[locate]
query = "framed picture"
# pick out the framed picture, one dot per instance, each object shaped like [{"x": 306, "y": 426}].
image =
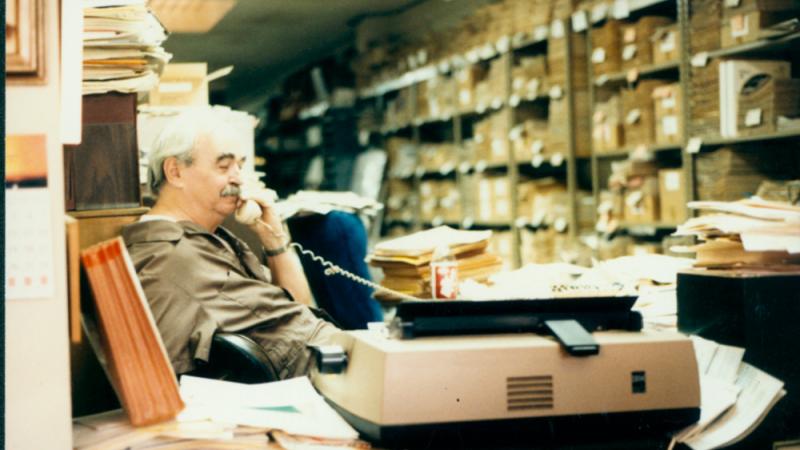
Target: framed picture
[{"x": 24, "y": 41}]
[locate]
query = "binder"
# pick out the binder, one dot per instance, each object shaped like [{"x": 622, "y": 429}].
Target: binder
[{"x": 136, "y": 360}]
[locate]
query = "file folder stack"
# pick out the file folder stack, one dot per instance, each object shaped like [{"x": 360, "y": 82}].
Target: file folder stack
[
  {"x": 122, "y": 49},
  {"x": 136, "y": 361},
  {"x": 406, "y": 261},
  {"x": 751, "y": 233}
]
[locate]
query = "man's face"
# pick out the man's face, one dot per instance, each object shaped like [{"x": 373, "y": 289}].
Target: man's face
[{"x": 213, "y": 179}]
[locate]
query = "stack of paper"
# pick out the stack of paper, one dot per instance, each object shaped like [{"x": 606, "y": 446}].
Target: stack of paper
[
  {"x": 136, "y": 361},
  {"x": 121, "y": 47},
  {"x": 749, "y": 233},
  {"x": 406, "y": 261},
  {"x": 320, "y": 202},
  {"x": 735, "y": 397},
  {"x": 226, "y": 415}
]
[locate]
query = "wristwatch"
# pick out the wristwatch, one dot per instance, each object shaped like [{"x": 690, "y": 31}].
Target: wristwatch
[{"x": 274, "y": 251}]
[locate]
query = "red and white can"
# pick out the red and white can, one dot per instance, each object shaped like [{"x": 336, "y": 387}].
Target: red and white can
[{"x": 444, "y": 279}]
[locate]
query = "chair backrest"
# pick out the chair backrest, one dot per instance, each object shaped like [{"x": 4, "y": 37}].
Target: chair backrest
[{"x": 338, "y": 237}]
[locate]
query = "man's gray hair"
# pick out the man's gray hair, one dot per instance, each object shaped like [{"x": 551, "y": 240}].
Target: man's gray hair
[{"x": 178, "y": 138}]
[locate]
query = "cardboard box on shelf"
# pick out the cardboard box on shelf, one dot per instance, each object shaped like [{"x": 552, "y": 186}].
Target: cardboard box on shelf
[
  {"x": 639, "y": 113},
  {"x": 733, "y": 173},
  {"x": 181, "y": 84},
  {"x": 607, "y": 130},
  {"x": 491, "y": 139},
  {"x": 672, "y": 196},
  {"x": 641, "y": 205},
  {"x": 528, "y": 77},
  {"x": 749, "y": 20},
  {"x": 467, "y": 80},
  {"x": 537, "y": 247},
  {"x": 705, "y": 23},
  {"x": 763, "y": 100},
  {"x": 740, "y": 75},
  {"x": 430, "y": 200},
  {"x": 668, "y": 114},
  {"x": 606, "y": 57},
  {"x": 637, "y": 44},
  {"x": 449, "y": 208},
  {"x": 703, "y": 100},
  {"x": 526, "y": 190},
  {"x": 501, "y": 199},
  {"x": 502, "y": 244},
  {"x": 666, "y": 44}
]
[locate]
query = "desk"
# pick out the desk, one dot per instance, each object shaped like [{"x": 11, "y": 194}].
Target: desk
[{"x": 759, "y": 311}]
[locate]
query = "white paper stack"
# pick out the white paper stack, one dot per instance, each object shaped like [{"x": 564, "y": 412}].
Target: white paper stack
[
  {"x": 749, "y": 233},
  {"x": 735, "y": 397},
  {"x": 226, "y": 415},
  {"x": 122, "y": 47}
]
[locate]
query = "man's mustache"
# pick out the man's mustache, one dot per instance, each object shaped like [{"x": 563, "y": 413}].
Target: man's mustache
[{"x": 231, "y": 190}]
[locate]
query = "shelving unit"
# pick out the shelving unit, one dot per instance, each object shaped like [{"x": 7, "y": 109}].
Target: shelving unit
[
  {"x": 621, "y": 89},
  {"x": 582, "y": 166},
  {"x": 507, "y": 104},
  {"x": 701, "y": 55}
]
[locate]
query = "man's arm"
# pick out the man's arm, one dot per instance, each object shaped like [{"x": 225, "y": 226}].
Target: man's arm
[{"x": 287, "y": 272}]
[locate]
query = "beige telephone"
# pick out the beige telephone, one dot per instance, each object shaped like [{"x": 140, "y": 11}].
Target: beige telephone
[
  {"x": 249, "y": 213},
  {"x": 253, "y": 189}
]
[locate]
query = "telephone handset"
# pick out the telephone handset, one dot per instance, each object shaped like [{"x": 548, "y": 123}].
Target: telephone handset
[{"x": 249, "y": 213}]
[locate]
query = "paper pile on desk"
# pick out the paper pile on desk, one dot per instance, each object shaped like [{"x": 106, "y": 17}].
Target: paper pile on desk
[
  {"x": 750, "y": 233},
  {"x": 405, "y": 261},
  {"x": 122, "y": 49},
  {"x": 223, "y": 414},
  {"x": 735, "y": 397},
  {"x": 652, "y": 277}
]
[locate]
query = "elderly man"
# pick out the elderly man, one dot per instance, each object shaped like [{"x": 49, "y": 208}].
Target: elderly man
[{"x": 198, "y": 277}]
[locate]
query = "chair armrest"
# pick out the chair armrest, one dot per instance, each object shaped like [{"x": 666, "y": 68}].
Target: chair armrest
[{"x": 236, "y": 357}]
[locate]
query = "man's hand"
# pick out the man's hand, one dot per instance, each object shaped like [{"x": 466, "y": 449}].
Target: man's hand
[{"x": 271, "y": 230}]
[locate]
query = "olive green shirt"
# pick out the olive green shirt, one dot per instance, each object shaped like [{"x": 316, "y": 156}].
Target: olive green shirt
[{"x": 196, "y": 284}]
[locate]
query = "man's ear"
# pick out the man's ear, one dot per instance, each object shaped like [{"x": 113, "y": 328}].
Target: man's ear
[{"x": 173, "y": 171}]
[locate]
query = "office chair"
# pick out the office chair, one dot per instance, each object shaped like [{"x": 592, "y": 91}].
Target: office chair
[
  {"x": 236, "y": 357},
  {"x": 341, "y": 238}
]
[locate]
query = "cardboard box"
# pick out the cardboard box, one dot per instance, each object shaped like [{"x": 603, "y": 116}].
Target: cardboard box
[
  {"x": 502, "y": 244},
  {"x": 667, "y": 102},
  {"x": 763, "y": 101},
  {"x": 666, "y": 44},
  {"x": 747, "y": 20},
  {"x": 704, "y": 25},
  {"x": 607, "y": 130},
  {"x": 501, "y": 199},
  {"x": 639, "y": 114},
  {"x": 606, "y": 57},
  {"x": 703, "y": 100},
  {"x": 671, "y": 194},
  {"x": 182, "y": 84},
  {"x": 449, "y": 201},
  {"x": 637, "y": 44},
  {"x": 641, "y": 205}
]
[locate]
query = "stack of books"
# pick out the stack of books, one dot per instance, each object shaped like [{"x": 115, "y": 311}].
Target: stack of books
[
  {"x": 132, "y": 351},
  {"x": 750, "y": 233},
  {"x": 122, "y": 49},
  {"x": 405, "y": 261}
]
